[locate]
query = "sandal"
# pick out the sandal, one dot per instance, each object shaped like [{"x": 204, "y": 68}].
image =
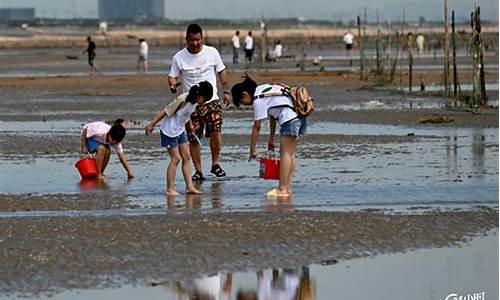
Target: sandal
[
  {"x": 197, "y": 176},
  {"x": 217, "y": 171}
]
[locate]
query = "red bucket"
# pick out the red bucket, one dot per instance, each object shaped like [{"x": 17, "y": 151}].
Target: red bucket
[
  {"x": 87, "y": 167},
  {"x": 269, "y": 168}
]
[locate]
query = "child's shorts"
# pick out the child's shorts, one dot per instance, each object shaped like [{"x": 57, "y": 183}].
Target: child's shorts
[
  {"x": 172, "y": 142},
  {"x": 93, "y": 144},
  {"x": 295, "y": 127}
]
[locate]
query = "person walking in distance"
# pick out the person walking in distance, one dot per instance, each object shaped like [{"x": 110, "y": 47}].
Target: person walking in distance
[
  {"x": 91, "y": 53},
  {"x": 348, "y": 40},
  {"x": 142, "y": 62},
  {"x": 195, "y": 63},
  {"x": 249, "y": 47},
  {"x": 236, "y": 47}
]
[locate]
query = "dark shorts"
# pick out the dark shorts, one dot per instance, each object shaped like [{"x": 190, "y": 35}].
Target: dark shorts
[
  {"x": 208, "y": 118},
  {"x": 172, "y": 142},
  {"x": 348, "y": 46},
  {"x": 248, "y": 53},
  {"x": 93, "y": 144},
  {"x": 91, "y": 60}
]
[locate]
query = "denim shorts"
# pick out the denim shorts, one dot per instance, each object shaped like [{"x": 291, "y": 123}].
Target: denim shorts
[
  {"x": 93, "y": 144},
  {"x": 296, "y": 127},
  {"x": 173, "y": 142}
]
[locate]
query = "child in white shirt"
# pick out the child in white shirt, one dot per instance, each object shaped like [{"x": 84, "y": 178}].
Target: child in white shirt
[
  {"x": 277, "y": 109},
  {"x": 97, "y": 137},
  {"x": 175, "y": 119}
]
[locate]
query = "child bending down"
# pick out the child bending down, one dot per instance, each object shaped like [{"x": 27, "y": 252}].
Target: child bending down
[
  {"x": 98, "y": 137},
  {"x": 175, "y": 119},
  {"x": 266, "y": 105}
]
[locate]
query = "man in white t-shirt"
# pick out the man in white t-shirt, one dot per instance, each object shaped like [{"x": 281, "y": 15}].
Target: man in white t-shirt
[
  {"x": 235, "y": 40},
  {"x": 249, "y": 47},
  {"x": 142, "y": 62},
  {"x": 195, "y": 63},
  {"x": 348, "y": 40}
]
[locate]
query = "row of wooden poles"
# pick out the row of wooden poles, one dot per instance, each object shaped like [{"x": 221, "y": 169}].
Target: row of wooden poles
[{"x": 476, "y": 50}]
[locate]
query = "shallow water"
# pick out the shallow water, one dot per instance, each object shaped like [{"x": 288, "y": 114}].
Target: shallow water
[
  {"x": 422, "y": 274},
  {"x": 439, "y": 170}
]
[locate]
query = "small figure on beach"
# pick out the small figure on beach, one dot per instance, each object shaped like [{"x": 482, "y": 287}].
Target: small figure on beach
[
  {"x": 235, "y": 41},
  {"x": 278, "y": 50},
  {"x": 91, "y": 53},
  {"x": 348, "y": 40},
  {"x": 419, "y": 40},
  {"x": 249, "y": 47},
  {"x": 99, "y": 137},
  {"x": 194, "y": 63},
  {"x": 142, "y": 62},
  {"x": 175, "y": 119},
  {"x": 277, "y": 109}
]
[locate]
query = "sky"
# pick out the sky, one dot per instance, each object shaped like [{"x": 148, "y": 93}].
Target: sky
[{"x": 308, "y": 9}]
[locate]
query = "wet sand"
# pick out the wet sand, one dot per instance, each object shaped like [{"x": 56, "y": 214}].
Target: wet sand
[
  {"x": 49, "y": 254},
  {"x": 106, "y": 239}
]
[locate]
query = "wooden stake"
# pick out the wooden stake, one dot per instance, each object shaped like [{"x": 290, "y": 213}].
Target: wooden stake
[{"x": 446, "y": 50}]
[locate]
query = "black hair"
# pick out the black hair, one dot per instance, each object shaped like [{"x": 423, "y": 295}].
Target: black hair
[
  {"x": 203, "y": 89},
  {"x": 142, "y": 40},
  {"x": 247, "y": 85},
  {"x": 194, "y": 29},
  {"x": 117, "y": 131}
]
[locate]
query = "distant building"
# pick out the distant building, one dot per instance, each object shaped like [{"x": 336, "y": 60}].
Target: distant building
[
  {"x": 131, "y": 9},
  {"x": 17, "y": 14}
]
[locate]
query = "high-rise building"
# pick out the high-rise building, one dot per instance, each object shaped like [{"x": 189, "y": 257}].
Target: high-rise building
[{"x": 131, "y": 9}]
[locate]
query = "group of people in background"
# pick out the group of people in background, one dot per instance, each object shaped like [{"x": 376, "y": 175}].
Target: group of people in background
[
  {"x": 248, "y": 47},
  {"x": 142, "y": 62}
]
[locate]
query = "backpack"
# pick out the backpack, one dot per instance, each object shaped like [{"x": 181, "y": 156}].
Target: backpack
[{"x": 303, "y": 103}]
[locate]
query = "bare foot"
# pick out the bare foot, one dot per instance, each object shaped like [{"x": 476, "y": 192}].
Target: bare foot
[
  {"x": 193, "y": 191},
  {"x": 171, "y": 193},
  {"x": 277, "y": 193}
]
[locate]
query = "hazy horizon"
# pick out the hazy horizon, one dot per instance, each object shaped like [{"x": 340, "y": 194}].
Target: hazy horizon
[{"x": 312, "y": 9}]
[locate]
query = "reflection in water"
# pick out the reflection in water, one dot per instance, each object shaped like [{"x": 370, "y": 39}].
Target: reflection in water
[
  {"x": 278, "y": 284},
  {"x": 478, "y": 151},
  {"x": 279, "y": 204},
  {"x": 193, "y": 201},
  {"x": 451, "y": 154},
  {"x": 207, "y": 288},
  {"x": 93, "y": 184}
]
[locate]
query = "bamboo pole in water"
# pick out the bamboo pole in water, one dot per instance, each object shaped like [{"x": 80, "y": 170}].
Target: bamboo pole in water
[{"x": 446, "y": 50}]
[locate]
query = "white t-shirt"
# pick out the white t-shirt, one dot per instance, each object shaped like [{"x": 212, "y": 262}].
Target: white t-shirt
[
  {"x": 278, "y": 107},
  {"x": 98, "y": 131},
  {"x": 236, "y": 41},
  {"x": 175, "y": 125},
  {"x": 278, "y": 50},
  {"x": 143, "y": 49},
  {"x": 194, "y": 68},
  {"x": 348, "y": 38},
  {"x": 248, "y": 42}
]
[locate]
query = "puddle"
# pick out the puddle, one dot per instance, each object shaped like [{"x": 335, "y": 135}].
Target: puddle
[{"x": 422, "y": 274}]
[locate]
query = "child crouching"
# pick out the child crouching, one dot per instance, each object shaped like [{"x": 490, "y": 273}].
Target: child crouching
[
  {"x": 175, "y": 118},
  {"x": 98, "y": 137}
]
